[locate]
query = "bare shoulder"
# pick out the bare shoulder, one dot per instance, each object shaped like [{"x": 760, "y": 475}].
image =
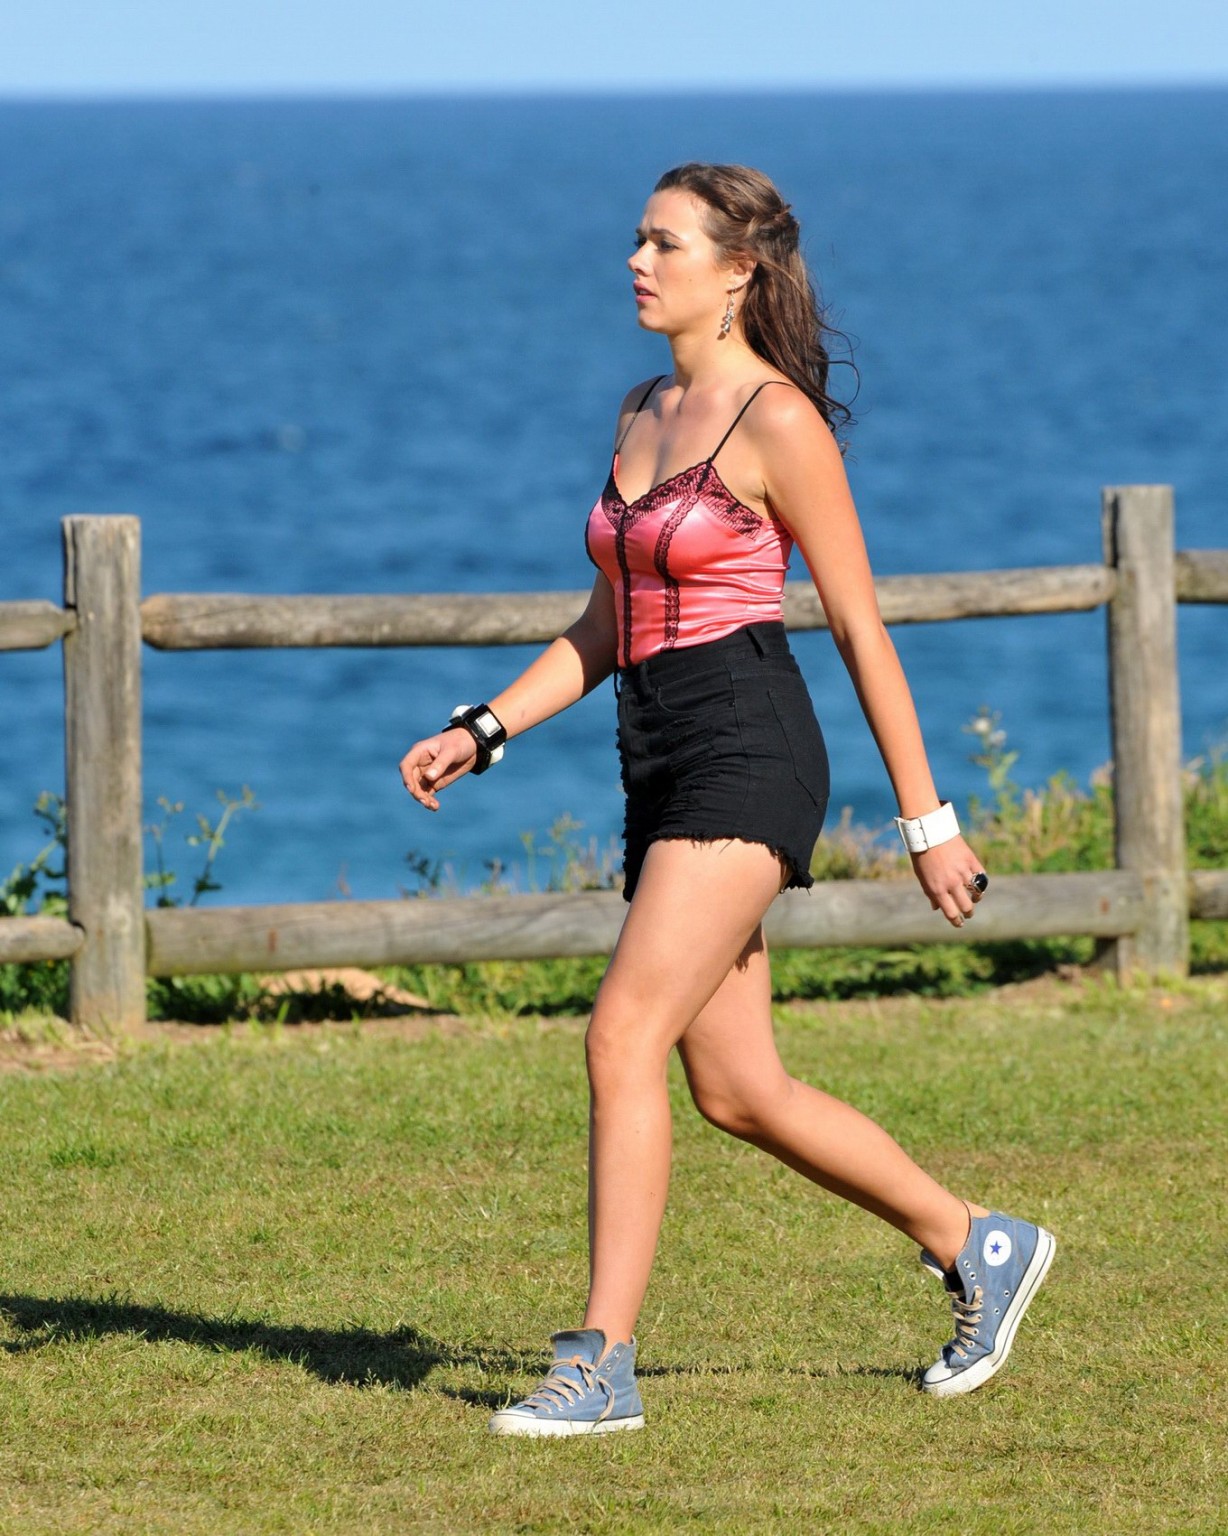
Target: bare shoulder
[
  {"x": 799, "y": 457},
  {"x": 784, "y": 420},
  {"x": 637, "y": 392},
  {"x": 633, "y": 400}
]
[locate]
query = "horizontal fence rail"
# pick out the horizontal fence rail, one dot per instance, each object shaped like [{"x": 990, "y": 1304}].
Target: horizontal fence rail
[
  {"x": 33, "y": 626},
  {"x": 38, "y": 938},
  {"x": 452, "y": 930},
  {"x": 185, "y": 621},
  {"x": 1201, "y": 575},
  {"x": 208, "y": 621},
  {"x": 1140, "y": 910}
]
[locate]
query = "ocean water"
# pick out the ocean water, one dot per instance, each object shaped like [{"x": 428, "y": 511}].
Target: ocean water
[{"x": 342, "y": 346}]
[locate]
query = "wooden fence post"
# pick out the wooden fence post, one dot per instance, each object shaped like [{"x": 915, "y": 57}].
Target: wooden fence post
[
  {"x": 102, "y": 734},
  {"x": 1137, "y": 526}
]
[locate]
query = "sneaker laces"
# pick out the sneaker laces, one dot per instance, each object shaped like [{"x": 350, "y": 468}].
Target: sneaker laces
[
  {"x": 560, "y": 1391},
  {"x": 968, "y": 1312}
]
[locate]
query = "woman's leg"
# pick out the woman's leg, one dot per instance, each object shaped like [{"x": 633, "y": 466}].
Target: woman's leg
[
  {"x": 739, "y": 1083},
  {"x": 695, "y": 907}
]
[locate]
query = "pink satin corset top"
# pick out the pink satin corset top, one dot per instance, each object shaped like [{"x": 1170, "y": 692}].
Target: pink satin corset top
[{"x": 688, "y": 562}]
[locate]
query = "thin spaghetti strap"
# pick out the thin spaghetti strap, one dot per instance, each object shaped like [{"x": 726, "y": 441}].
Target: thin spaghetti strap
[
  {"x": 643, "y": 402},
  {"x": 739, "y": 417}
]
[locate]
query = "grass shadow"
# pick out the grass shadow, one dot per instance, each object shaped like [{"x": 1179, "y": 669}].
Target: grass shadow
[
  {"x": 907, "y": 1373},
  {"x": 910, "y": 1375},
  {"x": 357, "y": 1357},
  {"x": 491, "y": 1402}
]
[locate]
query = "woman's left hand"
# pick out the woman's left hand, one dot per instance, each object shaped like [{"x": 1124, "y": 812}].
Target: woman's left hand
[{"x": 945, "y": 873}]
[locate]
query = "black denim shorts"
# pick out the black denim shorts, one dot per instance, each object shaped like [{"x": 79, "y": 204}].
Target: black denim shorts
[{"x": 720, "y": 741}]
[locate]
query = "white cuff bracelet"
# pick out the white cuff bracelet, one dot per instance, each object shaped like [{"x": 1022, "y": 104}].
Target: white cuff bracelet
[{"x": 922, "y": 832}]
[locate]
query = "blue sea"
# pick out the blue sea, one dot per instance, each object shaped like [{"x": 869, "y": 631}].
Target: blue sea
[{"x": 377, "y": 346}]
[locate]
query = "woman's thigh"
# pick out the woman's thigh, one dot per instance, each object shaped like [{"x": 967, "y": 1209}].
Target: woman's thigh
[
  {"x": 729, "y": 1051},
  {"x": 696, "y": 908}
]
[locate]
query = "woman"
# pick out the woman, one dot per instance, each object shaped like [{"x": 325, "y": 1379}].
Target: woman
[{"x": 725, "y": 771}]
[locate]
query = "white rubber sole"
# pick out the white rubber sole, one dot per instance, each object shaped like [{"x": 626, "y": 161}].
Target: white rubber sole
[
  {"x": 523, "y": 1424},
  {"x": 977, "y": 1375}
]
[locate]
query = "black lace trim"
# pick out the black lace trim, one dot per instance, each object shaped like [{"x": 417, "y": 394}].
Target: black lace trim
[
  {"x": 728, "y": 508},
  {"x": 737, "y": 516},
  {"x": 660, "y": 558},
  {"x": 622, "y": 524}
]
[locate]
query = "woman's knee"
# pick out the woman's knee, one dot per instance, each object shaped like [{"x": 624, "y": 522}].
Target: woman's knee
[
  {"x": 726, "y": 1114},
  {"x": 738, "y": 1109},
  {"x": 623, "y": 1050}
]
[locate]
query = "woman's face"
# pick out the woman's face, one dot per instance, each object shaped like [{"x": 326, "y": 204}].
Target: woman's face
[{"x": 678, "y": 283}]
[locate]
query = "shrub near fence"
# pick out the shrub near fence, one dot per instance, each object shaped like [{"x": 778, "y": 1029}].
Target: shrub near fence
[{"x": 1140, "y": 909}]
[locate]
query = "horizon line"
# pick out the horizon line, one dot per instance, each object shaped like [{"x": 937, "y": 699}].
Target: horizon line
[{"x": 20, "y": 95}]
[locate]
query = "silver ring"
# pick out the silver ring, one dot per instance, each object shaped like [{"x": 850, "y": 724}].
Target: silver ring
[{"x": 979, "y": 883}]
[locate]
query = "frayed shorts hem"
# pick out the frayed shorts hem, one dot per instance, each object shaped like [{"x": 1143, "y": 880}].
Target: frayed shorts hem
[{"x": 798, "y": 872}]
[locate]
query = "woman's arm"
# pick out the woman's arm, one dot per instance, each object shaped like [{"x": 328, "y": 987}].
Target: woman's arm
[
  {"x": 806, "y": 487},
  {"x": 571, "y": 666}
]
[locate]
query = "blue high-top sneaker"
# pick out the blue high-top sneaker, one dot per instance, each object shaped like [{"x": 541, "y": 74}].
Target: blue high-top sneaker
[
  {"x": 997, "y": 1273},
  {"x": 587, "y": 1392}
]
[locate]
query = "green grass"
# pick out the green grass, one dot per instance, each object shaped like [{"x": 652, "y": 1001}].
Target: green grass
[{"x": 263, "y": 1279}]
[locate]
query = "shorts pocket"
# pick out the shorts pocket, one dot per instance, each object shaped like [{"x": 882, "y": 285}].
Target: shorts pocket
[
  {"x": 699, "y": 693},
  {"x": 780, "y": 672}
]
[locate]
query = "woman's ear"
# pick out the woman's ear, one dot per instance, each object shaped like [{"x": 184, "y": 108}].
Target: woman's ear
[{"x": 741, "y": 269}]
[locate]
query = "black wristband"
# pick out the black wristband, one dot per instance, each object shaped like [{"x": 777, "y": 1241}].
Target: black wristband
[{"x": 484, "y": 726}]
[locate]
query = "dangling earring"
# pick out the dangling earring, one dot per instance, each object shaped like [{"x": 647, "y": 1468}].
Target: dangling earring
[{"x": 727, "y": 322}]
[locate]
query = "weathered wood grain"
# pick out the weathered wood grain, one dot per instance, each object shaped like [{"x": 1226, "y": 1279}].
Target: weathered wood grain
[
  {"x": 219, "y": 621},
  {"x": 227, "y": 620},
  {"x": 890, "y": 912},
  {"x": 102, "y": 724},
  {"x": 1202, "y": 575},
  {"x": 967, "y": 594},
  {"x": 32, "y": 625},
  {"x": 366, "y": 933},
  {"x": 1145, "y": 709},
  {"x": 38, "y": 938},
  {"x": 268, "y": 938}
]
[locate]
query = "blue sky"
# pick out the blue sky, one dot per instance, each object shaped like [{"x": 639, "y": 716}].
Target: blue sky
[{"x": 121, "y": 47}]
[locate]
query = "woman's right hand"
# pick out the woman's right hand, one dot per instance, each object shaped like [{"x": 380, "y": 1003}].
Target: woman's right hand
[{"x": 433, "y": 764}]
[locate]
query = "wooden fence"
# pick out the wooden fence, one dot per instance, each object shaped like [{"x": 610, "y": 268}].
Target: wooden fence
[{"x": 1140, "y": 909}]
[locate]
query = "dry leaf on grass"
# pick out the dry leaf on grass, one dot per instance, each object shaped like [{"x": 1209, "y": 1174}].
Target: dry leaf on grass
[{"x": 362, "y": 986}]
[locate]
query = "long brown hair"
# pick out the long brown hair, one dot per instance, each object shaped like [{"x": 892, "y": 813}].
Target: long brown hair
[{"x": 782, "y": 320}]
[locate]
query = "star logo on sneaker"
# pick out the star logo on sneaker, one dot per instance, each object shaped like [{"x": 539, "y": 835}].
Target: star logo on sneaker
[{"x": 997, "y": 1247}]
